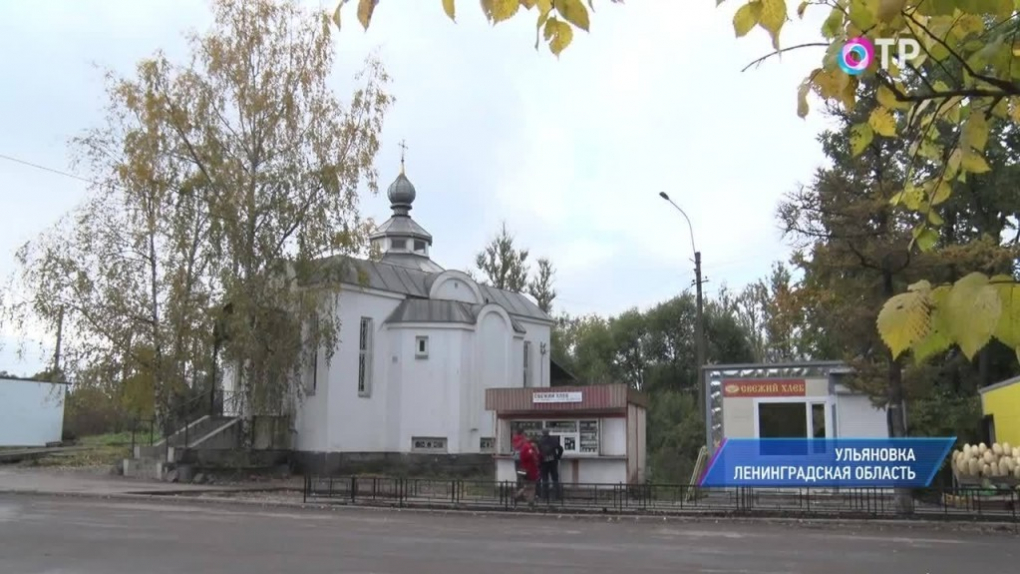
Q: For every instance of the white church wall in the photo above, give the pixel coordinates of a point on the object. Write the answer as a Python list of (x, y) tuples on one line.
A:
[(497, 361), (538, 334), (470, 365), (313, 407), (394, 390), (311, 417), (357, 423), (441, 396), (430, 385), (455, 285), (515, 377)]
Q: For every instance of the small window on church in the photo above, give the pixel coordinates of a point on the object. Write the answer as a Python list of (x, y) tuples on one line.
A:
[(365, 358), (398, 244), (419, 246), (428, 444), (421, 347)]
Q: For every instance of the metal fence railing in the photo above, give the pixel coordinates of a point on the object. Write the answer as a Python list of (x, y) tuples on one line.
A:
[(968, 504), (143, 433)]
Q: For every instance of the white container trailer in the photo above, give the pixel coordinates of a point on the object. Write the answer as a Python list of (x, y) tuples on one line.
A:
[(31, 412)]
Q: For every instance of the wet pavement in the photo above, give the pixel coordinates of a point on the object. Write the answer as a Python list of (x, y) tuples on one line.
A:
[(48, 535)]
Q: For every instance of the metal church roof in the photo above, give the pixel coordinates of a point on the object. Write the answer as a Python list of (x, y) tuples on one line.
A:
[(440, 311), (414, 283)]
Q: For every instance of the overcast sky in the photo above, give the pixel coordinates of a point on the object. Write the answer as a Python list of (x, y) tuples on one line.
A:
[(571, 153)]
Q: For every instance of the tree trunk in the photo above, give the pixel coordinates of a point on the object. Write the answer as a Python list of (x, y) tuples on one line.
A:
[(897, 420), (984, 360), (896, 416)]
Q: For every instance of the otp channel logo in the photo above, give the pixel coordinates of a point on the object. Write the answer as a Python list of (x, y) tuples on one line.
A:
[(857, 54)]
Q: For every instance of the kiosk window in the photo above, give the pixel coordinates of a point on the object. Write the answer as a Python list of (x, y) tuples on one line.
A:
[(783, 420), (589, 437), (576, 436)]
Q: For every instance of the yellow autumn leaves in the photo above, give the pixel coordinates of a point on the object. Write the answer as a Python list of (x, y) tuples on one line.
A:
[(768, 14), (555, 22), (964, 30), (928, 320), (880, 122), (974, 37), (558, 32)]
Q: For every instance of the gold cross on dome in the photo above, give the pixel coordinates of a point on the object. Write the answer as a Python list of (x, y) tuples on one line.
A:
[(403, 150)]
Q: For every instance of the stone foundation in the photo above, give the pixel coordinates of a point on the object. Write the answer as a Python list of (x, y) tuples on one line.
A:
[(230, 459), (476, 466)]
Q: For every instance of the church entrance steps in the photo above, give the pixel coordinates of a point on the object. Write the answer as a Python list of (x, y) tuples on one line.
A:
[(215, 445), (225, 436), (160, 460), (147, 467), (200, 464), (148, 451), (197, 429)]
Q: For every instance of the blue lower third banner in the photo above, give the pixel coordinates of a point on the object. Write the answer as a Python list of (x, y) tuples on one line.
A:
[(850, 463)]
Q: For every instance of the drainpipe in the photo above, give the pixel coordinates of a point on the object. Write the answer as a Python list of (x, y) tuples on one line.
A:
[(541, 363)]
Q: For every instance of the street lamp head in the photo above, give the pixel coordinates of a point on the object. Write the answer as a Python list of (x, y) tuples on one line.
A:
[(663, 195)]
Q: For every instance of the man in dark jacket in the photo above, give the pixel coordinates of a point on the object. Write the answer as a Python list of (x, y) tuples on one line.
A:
[(551, 451)]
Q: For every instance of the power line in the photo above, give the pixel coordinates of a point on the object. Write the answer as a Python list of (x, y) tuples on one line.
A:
[(44, 168)]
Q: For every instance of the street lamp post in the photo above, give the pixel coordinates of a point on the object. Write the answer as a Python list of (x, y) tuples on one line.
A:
[(700, 319)]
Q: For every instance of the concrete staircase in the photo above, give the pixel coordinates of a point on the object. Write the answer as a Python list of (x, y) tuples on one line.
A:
[(208, 445), (162, 458)]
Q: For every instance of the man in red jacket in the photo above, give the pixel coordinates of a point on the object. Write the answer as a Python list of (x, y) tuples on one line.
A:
[(518, 439), (526, 456)]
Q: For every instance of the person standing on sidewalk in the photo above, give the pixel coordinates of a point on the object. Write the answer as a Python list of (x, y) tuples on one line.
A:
[(526, 463), (516, 446), (551, 451)]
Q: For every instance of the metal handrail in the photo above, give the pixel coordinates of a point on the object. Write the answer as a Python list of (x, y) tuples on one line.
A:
[(933, 503), (134, 431)]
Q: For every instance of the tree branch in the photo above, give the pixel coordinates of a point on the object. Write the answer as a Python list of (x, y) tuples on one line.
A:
[(1007, 88), (759, 61)]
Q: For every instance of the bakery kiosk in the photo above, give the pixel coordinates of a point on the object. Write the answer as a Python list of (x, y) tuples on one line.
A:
[(600, 427)]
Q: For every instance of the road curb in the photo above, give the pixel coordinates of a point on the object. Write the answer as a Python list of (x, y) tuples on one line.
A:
[(187, 497)]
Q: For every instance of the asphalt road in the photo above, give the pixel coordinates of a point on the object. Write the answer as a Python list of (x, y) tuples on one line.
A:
[(42, 535)]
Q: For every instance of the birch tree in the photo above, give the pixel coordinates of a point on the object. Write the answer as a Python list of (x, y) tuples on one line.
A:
[(220, 180)]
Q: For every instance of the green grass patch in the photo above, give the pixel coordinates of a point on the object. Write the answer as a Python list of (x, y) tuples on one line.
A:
[(108, 440), (99, 450), (99, 456)]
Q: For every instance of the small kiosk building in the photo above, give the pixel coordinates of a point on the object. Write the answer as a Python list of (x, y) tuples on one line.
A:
[(791, 400), (601, 429), (1000, 405)]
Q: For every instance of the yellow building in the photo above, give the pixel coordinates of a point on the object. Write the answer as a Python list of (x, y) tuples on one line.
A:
[(1000, 404)]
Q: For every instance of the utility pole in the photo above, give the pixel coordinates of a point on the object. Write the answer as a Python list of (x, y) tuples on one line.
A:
[(699, 327), (700, 333), (56, 352)]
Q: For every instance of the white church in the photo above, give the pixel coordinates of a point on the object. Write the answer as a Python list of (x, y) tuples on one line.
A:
[(419, 347)]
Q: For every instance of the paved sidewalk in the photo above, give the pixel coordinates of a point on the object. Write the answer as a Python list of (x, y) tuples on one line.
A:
[(25, 480)]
